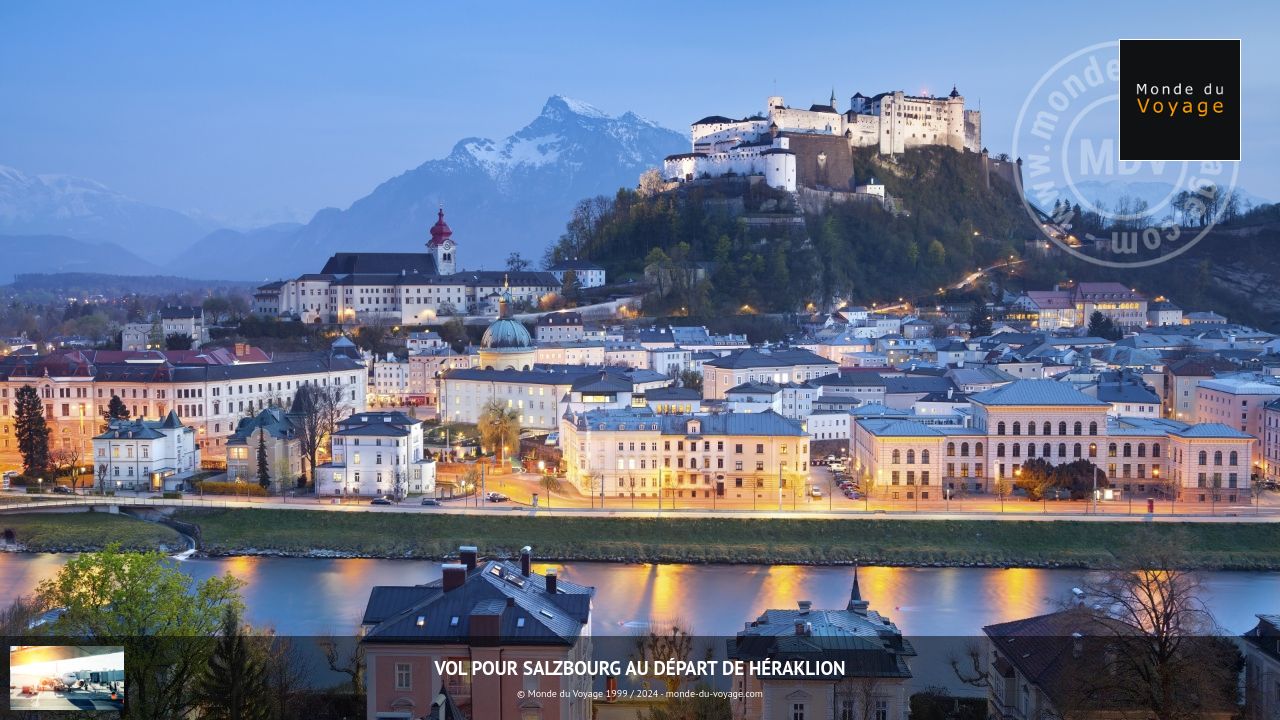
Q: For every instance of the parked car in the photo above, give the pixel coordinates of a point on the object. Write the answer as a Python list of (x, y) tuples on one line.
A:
[(63, 489), (495, 497), (431, 502), (851, 494), (381, 501)]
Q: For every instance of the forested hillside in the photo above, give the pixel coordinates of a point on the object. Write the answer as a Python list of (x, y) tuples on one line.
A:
[(759, 250)]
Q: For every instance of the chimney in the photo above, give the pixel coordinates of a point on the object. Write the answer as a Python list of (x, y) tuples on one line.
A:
[(1077, 645), (526, 559), (455, 576), (467, 556), (551, 578), (804, 606)]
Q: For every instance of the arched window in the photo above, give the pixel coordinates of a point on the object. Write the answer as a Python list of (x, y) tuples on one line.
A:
[(964, 449), (1062, 450), (951, 449), (1155, 450), (911, 457), (924, 457), (1128, 450), (1111, 450), (1000, 428), (977, 449), (1217, 457), (1000, 450), (1048, 429), (1062, 428), (897, 456), (1017, 428), (1017, 450), (1031, 428), (1093, 450), (1235, 457), (1093, 428), (1076, 452), (1142, 450), (1031, 448), (1079, 428), (1047, 451), (1204, 457)]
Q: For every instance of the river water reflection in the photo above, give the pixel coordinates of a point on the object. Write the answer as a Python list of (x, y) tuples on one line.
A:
[(299, 596)]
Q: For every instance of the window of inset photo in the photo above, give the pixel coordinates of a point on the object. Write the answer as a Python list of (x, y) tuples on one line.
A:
[(66, 677)]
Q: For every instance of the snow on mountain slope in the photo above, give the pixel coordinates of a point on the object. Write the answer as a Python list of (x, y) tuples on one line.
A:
[(499, 196)]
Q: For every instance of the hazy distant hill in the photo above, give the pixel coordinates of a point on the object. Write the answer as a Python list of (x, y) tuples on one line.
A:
[(89, 211), (499, 196), (58, 254)]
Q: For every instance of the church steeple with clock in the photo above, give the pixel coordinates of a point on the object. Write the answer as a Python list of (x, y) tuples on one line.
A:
[(442, 246)]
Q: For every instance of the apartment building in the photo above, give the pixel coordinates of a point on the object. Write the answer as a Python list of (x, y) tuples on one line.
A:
[(638, 453)]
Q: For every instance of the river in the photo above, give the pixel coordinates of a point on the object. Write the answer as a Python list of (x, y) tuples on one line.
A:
[(299, 596)]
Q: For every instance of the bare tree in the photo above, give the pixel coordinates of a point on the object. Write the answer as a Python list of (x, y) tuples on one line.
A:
[(664, 642), (347, 657), (1165, 654), (317, 409), (860, 694)]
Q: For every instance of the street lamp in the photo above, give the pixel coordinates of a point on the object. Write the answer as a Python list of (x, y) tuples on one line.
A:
[(1093, 452)]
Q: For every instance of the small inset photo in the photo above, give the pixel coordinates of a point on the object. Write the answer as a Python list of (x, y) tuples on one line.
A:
[(66, 677)]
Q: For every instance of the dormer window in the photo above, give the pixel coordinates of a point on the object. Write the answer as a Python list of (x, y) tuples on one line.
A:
[(693, 427)]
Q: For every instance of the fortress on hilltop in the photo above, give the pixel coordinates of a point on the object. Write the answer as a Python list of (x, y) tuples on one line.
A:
[(793, 148)]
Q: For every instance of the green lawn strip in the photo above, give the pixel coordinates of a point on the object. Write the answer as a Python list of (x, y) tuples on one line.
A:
[(902, 542), (51, 532)]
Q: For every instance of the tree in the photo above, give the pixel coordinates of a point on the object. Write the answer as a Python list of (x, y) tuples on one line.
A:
[(178, 341), (691, 379), (651, 183), (1078, 478), (346, 656), (264, 472), (316, 412), (516, 263), (979, 321), (32, 431), (1164, 652), (570, 288), (549, 482), (1036, 477), (115, 410), (163, 618), (454, 332), (499, 427), (663, 644), (1104, 327), (234, 685)]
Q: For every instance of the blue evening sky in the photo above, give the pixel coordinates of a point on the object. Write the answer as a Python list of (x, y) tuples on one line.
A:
[(251, 109)]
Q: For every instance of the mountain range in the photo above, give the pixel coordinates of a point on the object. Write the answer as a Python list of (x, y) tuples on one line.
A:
[(499, 196)]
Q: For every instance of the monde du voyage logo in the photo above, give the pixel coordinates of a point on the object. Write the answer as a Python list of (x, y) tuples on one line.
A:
[(1180, 100), (1152, 114)]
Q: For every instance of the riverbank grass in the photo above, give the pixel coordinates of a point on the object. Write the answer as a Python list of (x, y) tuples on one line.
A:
[(717, 540), (74, 532)]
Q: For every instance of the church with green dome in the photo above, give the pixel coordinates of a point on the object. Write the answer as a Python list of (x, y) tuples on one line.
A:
[(506, 344)]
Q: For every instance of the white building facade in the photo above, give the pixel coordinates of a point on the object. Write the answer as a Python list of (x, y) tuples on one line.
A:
[(377, 454)]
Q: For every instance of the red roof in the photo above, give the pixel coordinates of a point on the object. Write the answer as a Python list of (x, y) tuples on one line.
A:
[(440, 231)]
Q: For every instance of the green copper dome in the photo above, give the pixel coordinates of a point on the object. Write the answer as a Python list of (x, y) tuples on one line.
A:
[(506, 333)]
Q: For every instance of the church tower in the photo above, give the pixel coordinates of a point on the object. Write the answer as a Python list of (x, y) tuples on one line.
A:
[(442, 246)]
